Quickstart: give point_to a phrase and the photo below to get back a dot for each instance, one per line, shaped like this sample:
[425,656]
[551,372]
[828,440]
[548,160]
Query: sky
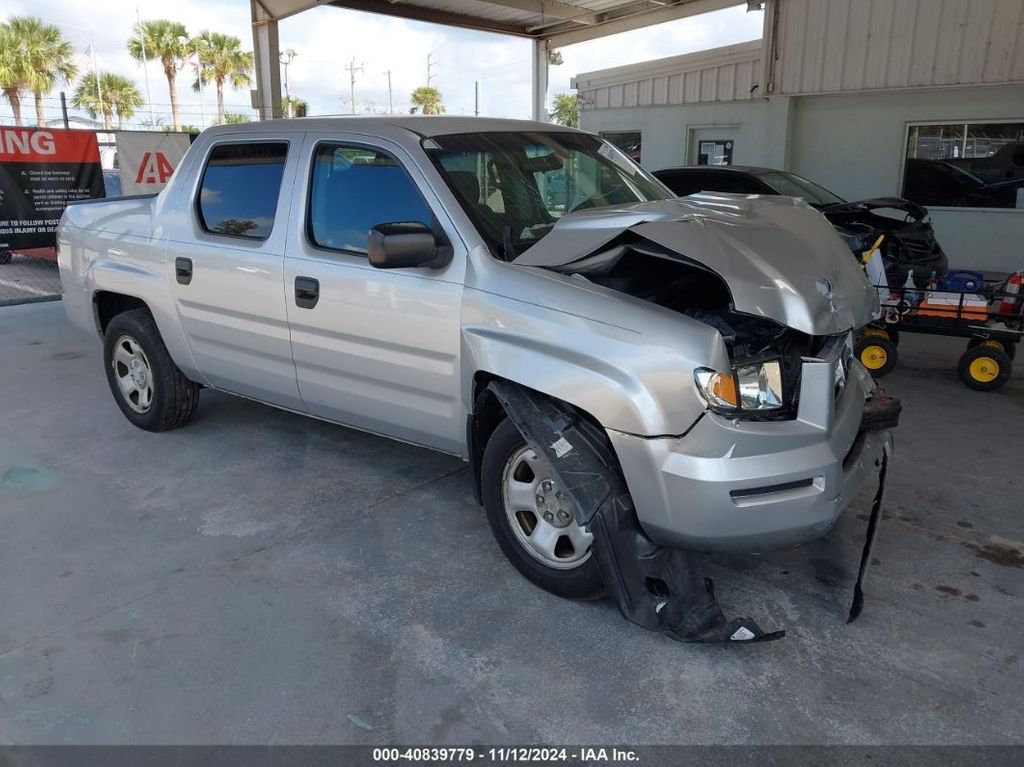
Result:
[325,40]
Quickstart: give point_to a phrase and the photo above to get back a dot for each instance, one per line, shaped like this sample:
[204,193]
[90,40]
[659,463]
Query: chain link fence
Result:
[27,276]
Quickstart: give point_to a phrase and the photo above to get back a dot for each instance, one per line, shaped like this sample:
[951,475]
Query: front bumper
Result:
[744,486]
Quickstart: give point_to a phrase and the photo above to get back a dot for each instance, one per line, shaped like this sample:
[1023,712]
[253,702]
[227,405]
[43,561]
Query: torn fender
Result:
[655,587]
[779,258]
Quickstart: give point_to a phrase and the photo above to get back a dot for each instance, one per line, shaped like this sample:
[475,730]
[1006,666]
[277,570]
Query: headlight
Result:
[755,386]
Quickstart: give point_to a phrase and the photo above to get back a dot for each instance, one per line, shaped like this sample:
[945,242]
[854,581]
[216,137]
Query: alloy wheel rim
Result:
[133,374]
[539,513]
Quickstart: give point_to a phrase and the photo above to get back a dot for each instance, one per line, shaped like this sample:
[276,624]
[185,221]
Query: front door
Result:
[228,263]
[373,348]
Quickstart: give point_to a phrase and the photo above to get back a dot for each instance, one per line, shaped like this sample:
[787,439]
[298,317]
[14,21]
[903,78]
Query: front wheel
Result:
[532,520]
[149,388]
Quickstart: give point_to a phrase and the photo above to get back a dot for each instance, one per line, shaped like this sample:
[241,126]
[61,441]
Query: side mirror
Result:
[404,244]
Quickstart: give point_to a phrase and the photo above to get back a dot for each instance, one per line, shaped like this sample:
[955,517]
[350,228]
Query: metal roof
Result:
[561,21]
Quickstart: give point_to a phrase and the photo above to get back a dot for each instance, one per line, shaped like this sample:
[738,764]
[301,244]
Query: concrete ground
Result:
[28,279]
[259,577]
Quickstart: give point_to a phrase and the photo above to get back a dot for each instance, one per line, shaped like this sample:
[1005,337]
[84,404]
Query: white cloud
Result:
[328,39]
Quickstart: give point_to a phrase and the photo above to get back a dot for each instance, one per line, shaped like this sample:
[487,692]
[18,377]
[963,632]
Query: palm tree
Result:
[566,111]
[221,59]
[119,95]
[427,99]
[299,107]
[122,94]
[48,57]
[166,41]
[14,73]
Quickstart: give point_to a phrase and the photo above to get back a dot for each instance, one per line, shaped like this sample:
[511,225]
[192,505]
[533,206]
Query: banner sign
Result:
[147,160]
[41,171]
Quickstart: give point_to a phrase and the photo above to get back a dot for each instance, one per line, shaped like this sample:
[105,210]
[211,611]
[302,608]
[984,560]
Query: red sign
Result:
[48,146]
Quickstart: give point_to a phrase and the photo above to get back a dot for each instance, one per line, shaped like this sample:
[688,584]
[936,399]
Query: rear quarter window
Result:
[240,187]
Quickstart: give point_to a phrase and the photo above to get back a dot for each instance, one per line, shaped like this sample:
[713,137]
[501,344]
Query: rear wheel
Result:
[878,354]
[985,368]
[149,388]
[532,520]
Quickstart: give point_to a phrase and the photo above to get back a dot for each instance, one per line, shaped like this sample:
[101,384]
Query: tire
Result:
[5,257]
[148,387]
[877,354]
[564,569]
[984,368]
[1007,348]
[889,331]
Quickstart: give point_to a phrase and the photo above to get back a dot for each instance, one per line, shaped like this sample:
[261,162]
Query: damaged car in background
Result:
[632,378]
[908,239]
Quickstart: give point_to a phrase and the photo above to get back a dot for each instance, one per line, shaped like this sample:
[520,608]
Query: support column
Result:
[266,55]
[540,80]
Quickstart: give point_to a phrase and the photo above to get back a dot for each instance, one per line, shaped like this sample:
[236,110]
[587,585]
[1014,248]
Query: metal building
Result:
[867,97]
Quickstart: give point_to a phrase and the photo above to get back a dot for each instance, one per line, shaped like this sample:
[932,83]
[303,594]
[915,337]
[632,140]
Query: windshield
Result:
[515,186]
[792,185]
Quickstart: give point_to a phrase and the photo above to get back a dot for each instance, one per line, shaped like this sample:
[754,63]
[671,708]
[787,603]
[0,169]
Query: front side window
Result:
[516,185]
[240,187]
[354,189]
[965,165]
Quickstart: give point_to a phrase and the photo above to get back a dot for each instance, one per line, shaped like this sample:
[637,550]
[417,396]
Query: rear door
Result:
[227,252]
[373,348]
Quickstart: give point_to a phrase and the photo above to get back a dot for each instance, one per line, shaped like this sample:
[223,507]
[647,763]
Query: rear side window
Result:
[355,188]
[241,184]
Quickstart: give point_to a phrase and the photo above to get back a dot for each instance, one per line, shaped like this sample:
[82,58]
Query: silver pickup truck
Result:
[513,293]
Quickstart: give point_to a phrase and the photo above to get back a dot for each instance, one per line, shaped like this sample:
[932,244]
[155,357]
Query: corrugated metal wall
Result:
[827,46]
[724,74]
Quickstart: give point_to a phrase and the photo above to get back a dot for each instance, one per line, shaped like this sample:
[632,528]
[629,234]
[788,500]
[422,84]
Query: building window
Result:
[714,152]
[628,142]
[241,184]
[354,189]
[965,165]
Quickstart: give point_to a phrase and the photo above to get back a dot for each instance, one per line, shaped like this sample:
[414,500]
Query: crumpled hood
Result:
[916,212]
[778,256]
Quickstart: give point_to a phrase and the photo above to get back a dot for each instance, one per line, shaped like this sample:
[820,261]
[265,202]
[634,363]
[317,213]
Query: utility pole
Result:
[476,98]
[430,67]
[352,69]
[391,102]
[64,109]
[286,58]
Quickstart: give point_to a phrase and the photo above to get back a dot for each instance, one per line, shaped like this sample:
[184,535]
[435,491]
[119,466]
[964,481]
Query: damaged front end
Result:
[909,241]
[778,286]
